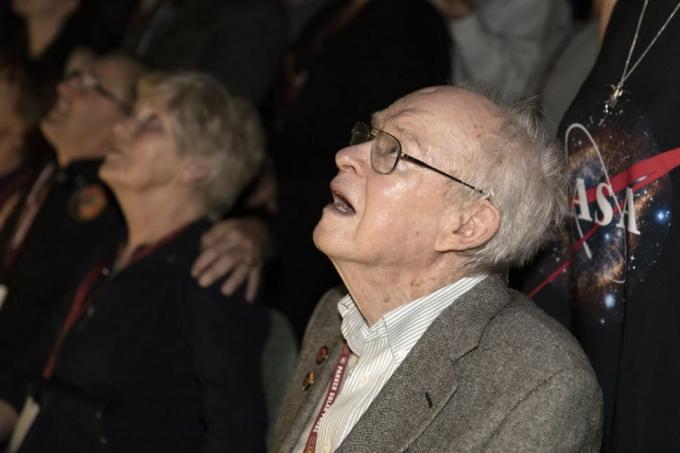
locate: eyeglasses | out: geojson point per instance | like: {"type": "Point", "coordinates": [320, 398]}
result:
{"type": "Point", "coordinates": [386, 152]}
{"type": "Point", "coordinates": [89, 82]}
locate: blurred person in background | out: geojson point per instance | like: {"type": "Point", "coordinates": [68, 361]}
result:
{"type": "Point", "coordinates": [68, 213]}
{"type": "Point", "coordinates": [575, 61]}
{"type": "Point", "coordinates": [44, 33]}
{"type": "Point", "coordinates": [143, 358]}
{"type": "Point", "coordinates": [301, 12]}
{"type": "Point", "coordinates": [505, 44]}
{"type": "Point", "coordinates": [239, 42]}
{"type": "Point", "coordinates": [22, 148]}
{"type": "Point", "coordinates": [12, 126]}
{"type": "Point", "coordinates": [369, 52]}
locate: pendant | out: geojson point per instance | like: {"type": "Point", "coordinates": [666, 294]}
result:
{"type": "Point", "coordinates": [617, 91]}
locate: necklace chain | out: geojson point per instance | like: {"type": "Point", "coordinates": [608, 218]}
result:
{"type": "Point", "coordinates": [617, 90]}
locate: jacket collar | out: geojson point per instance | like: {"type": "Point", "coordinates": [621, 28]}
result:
{"type": "Point", "coordinates": [426, 380]}
{"type": "Point", "coordinates": [422, 384]}
{"type": "Point", "coordinates": [293, 419]}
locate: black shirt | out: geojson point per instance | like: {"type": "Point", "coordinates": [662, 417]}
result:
{"type": "Point", "coordinates": [619, 267]}
{"type": "Point", "coordinates": [78, 216]}
{"type": "Point", "coordinates": [155, 363]}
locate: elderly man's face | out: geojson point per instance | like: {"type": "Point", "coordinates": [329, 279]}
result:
{"type": "Point", "coordinates": [398, 220]}
{"type": "Point", "coordinates": [389, 220]}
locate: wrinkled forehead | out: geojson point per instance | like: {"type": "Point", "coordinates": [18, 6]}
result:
{"type": "Point", "coordinates": [417, 124]}
{"type": "Point", "coordinates": [442, 117]}
{"type": "Point", "coordinates": [405, 123]}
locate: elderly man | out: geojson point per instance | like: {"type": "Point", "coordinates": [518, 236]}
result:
{"type": "Point", "coordinates": [431, 351]}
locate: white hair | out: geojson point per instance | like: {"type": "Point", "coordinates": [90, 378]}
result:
{"type": "Point", "coordinates": [524, 170]}
{"type": "Point", "coordinates": [211, 125]}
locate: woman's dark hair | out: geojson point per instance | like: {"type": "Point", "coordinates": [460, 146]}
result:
{"type": "Point", "coordinates": [35, 97]}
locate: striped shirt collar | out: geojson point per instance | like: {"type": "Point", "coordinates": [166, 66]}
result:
{"type": "Point", "coordinates": [403, 326]}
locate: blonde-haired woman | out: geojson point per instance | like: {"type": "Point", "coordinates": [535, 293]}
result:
{"type": "Point", "coordinates": [144, 359]}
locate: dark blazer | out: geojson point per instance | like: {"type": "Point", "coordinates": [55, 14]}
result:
{"type": "Point", "coordinates": [492, 373]}
{"type": "Point", "coordinates": [157, 364]}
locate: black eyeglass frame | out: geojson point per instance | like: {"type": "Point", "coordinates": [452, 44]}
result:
{"type": "Point", "coordinates": [369, 133]}
{"type": "Point", "coordinates": [89, 82]}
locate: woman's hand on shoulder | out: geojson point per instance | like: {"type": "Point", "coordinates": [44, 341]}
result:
{"type": "Point", "coordinates": [232, 249]}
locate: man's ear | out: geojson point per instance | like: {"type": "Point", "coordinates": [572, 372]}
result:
{"type": "Point", "coordinates": [469, 228]}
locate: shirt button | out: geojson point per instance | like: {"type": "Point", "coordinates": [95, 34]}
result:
{"type": "Point", "coordinates": [98, 415]}
{"type": "Point", "coordinates": [103, 440]}
{"type": "Point", "coordinates": [327, 447]}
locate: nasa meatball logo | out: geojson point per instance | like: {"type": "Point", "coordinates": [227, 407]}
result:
{"type": "Point", "coordinates": [620, 205]}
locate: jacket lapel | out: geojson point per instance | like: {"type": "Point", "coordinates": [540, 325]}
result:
{"type": "Point", "coordinates": [426, 380]}
{"type": "Point", "coordinates": [300, 405]}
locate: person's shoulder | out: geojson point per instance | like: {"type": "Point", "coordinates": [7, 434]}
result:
{"type": "Point", "coordinates": [180, 257]}
{"type": "Point", "coordinates": [226, 319]}
{"type": "Point", "coordinates": [212, 298]}
{"type": "Point", "coordinates": [535, 339]}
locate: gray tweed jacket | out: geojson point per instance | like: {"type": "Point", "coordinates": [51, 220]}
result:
{"type": "Point", "coordinates": [492, 373]}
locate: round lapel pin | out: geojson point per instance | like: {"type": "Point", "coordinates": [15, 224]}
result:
{"type": "Point", "coordinates": [321, 355]}
{"type": "Point", "coordinates": [308, 381]}
{"type": "Point", "coordinates": [87, 203]}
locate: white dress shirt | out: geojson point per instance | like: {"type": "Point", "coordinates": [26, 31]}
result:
{"type": "Point", "coordinates": [377, 351]}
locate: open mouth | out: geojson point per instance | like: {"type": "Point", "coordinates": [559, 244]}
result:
{"type": "Point", "coordinates": [341, 205]}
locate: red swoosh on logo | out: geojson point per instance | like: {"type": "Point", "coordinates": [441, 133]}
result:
{"type": "Point", "coordinates": [641, 174]}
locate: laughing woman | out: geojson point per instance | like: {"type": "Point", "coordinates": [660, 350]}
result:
{"type": "Point", "coordinates": [145, 360]}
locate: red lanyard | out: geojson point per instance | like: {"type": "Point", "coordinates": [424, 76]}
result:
{"type": "Point", "coordinates": [331, 396]}
{"type": "Point", "coordinates": [83, 297]}
{"type": "Point", "coordinates": [34, 201]}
